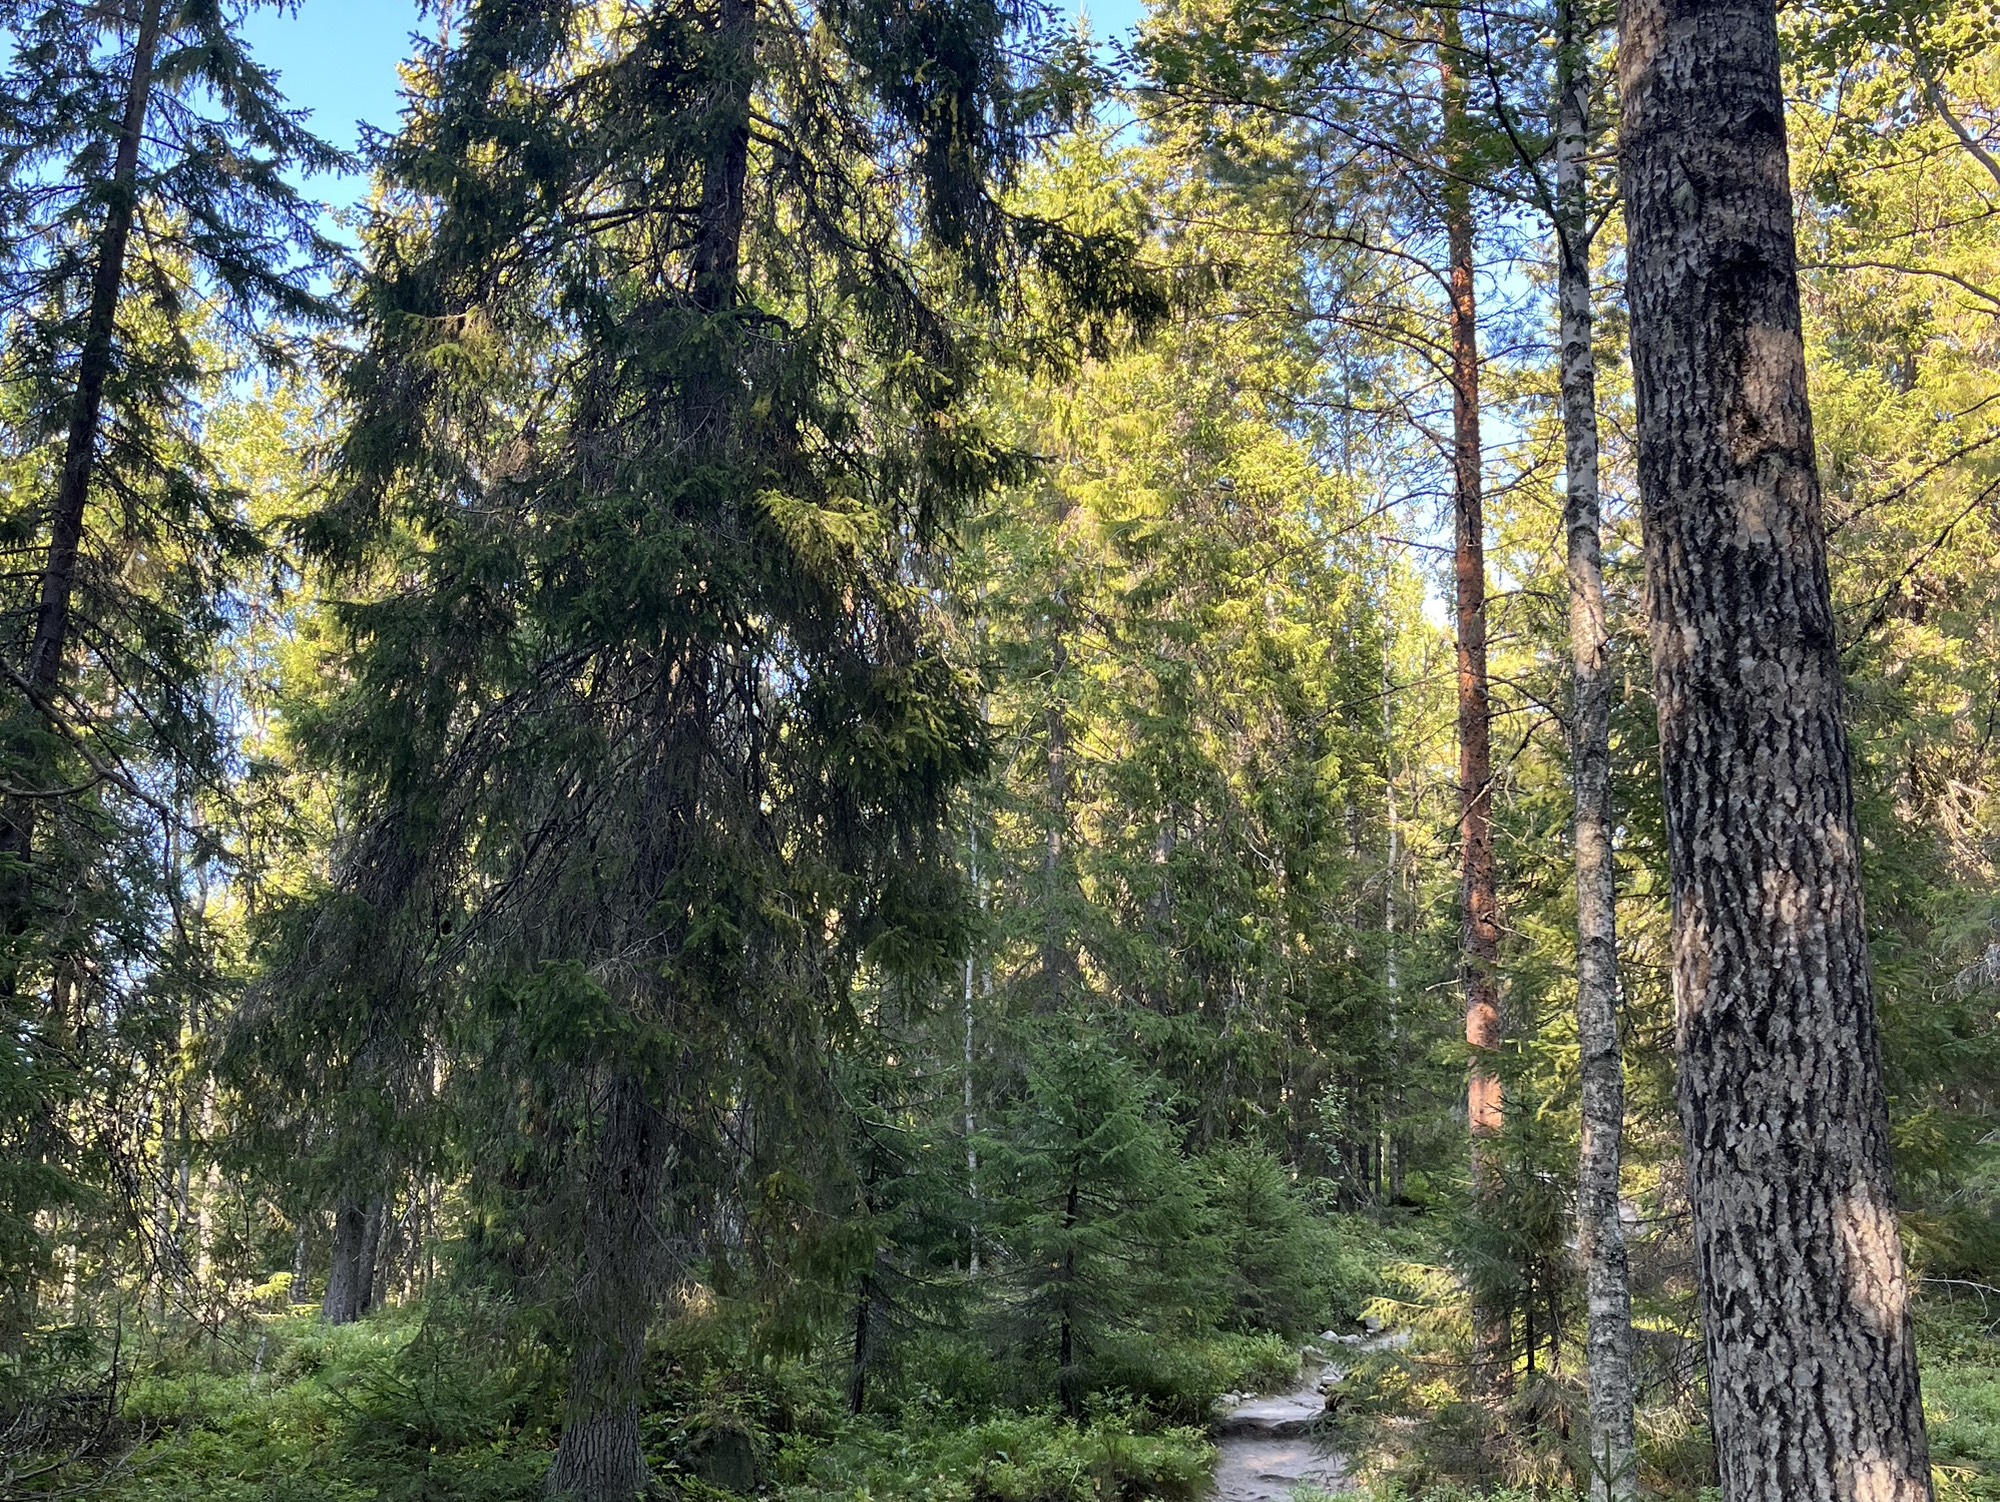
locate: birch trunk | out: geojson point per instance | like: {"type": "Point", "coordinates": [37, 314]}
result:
{"type": "Point", "coordinates": [1812, 1368]}
{"type": "Point", "coordinates": [1600, 1233]}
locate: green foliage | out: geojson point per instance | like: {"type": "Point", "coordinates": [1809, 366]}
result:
{"type": "Point", "coordinates": [1278, 1263]}
{"type": "Point", "coordinates": [439, 1409]}
{"type": "Point", "coordinates": [1180, 1377]}
{"type": "Point", "coordinates": [1030, 1458]}
{"type": "Point", "coordinates": [1098, 1210]}
{"type": "Point", "coordinates": [852, 693]}
{"type": "Point", "coordinates": [119, 795]}
{"type": "Point", "coordinates": [1960, 1343]}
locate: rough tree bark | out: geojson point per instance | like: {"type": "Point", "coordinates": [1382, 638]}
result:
{"type": "Point", "coordinates": [1480, 944]}
{"type": "Point", "coordinates": [599, 1458]}
{"type": "Point", "coordinates": [1600, 1233]}
{"type": "Point", "coordinates": [346, 1293]}
{"type": "Point", "coordinates": [42, 673]}
{"type": "Point", "coordinates": [1812, 1369]}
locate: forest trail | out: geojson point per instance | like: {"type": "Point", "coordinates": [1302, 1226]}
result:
{"type": "Point", "coordinates": [1268, 1449]}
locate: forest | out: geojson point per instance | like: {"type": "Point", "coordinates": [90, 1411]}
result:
{"type": "Point", "coordinates": [890, 751]}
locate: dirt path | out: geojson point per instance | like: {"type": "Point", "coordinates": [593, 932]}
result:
{"type": "Point", "coordinates": [1267, 1448]}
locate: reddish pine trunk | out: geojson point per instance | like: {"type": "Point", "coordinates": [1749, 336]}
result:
{"type": "Point", "coordinates": [1480, 943]}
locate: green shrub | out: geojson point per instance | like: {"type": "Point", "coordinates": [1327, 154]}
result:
{"type": "Point", "coordinates": [1020, 1458]}
{"type": "Point", "coordinates": [1181, 1379]}
{"type": "Point", "coordinates": [1958, 1345]}
{"type": "Point", "coordinates": [388, 1410]}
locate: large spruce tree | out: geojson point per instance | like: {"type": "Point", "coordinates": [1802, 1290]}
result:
{"type": "Point", "coordinates": [151, 249]}
{"type": "Point", "coordinates": [657, 421]}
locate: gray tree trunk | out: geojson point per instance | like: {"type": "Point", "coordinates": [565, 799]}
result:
{"type": "Point", "coordinates": [598, 1458]}
{"type": "Point", "coordinates": [1600, 1233]}
{"type": "Point", "coordinates": [346, 1294]}
{"type": "Point", "coordinates": [1812, 1368]}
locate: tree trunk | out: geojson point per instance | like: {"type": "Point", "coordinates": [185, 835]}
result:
{"type": "Point", "coordinates": [1058, 961]}
{"type": "Point", "coordinates": [857, 1372]}
{"type": "Point", "coordinates": [1812, 1367]}
{"type": "Point", "coordinates": [345, 1295]}
{"type": "Point", "coordinates": [971, 1120]}
{"type": "Point", "coordinates": [1480, 940]}
{"type": "Point", "coordinates": [1600, 1232]}
{"type": "Point", "coordinates": [1068, 1382]}
{"type": "Point", "coordinates": [598, 1458]}
{"type": "Point", "coordinates": [1479, 945]}
{"type": "Point", "coordinates": [1392, 976]}
{"type": "Point", "coordinates": [371, 1248]}
{"type": "Point", "coordinates": [43, 670]}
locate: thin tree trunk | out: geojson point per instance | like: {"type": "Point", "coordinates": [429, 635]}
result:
{"type": "Point", "coordinates": [599, 1458]}
{"type": "Point", "coordinates": [1600, 1232]}
{"type": "Point", "coordinates": [857, 1374]}
{"type": "Point", "coordinates": [1812, 1368]}
{"type": "Point", "coordinates": [971, 1121]}
{"type": "Point", "coordinates": [1480, 942]}
{"type": "Point", "coordinates": [43, 673]}
{"type": "Point", "coordinates": [1392, 961]}
{"type": "Point", "coordinates": [1058, 962]}
{"type": "Point", "coordinates": [1068, 1380]}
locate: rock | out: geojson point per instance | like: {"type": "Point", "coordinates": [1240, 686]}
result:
{"type": "Point", "coordinates": [724, 1457]}
{"type": "Point", "coordinates": [1290, 1416]}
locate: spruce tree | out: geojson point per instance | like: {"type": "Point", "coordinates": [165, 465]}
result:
{"type": "Point", "coordinates": [1102, 1214]}
{"type": "Point", "coordinates": [151, 249]}
{"type": "Point", "coordinates": [660, 413]}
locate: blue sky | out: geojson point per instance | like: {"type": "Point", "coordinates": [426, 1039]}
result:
{"type": "Point", "coordinates": [338, 58]}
